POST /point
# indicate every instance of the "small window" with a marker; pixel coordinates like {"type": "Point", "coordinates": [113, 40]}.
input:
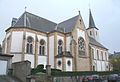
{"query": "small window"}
{"type": "Point", "coordinates": [97, 54]}
{"type": "Point", "coordinates": [59, 63]}
{"type": "Point", "coordinates": [92, 52]}
{"type": "Point", "coordinates": [93, 68]}
{"type": "Point", "coordinates": [69, 63]}
{"type": "Point", "coordinates": [90, 32]}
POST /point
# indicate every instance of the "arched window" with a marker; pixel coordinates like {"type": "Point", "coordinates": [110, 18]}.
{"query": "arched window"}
{"type": "Point", "coordinates": [92, 53]}
{"type": "Point", "coordinates": [60, 43]}
{"type": "Point", "coordinates": [90, 32]}
{"type": "Point", "coordinates": [42, 47]}
{"type": "Point", "coordinates": [29, 48]}
{"type": "Point", "coordinates": [98, 55]}
{"type": "Point", "coordinates": [81, 46]}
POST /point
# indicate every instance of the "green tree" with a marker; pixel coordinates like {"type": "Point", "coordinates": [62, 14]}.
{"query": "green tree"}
{"type": "Point", "coordinates": [115, 61]}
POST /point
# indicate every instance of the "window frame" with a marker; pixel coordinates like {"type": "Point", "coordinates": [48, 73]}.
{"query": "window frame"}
{"type": "Point", "coordinates": [60, 46]}
{"type": "Point", "coordinates": [42, 45]}
{"type": "Point", "coordinates": [29, 45]}
{"type": "Point", "coordinates": [81, 49]}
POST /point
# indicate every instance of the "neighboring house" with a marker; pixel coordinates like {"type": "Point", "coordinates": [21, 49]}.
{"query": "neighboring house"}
{"type": "Point", "coordinates": [114, 60]}
{"type": "Point", "coordinates": [66, 45]}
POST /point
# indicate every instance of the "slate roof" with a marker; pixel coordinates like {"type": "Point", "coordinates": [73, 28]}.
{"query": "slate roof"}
{"type": "Point", "coordinates": [68, 25]}
{"type": "Point", "coordinates": [38, 23]}
{"type": "Point", "coordinates": [96, 43]}
{"type": "Point", "coordinates": [35, 22]}
{"type": "Point", "coordinates": [91, 21]}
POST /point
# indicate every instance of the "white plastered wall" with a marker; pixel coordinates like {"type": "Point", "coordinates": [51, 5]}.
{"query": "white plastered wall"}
{"type": "Point", "coordinates": [59, 67]}
{"type": "Point", "coordinates": [51, 51]}
{"type": "Point", "coordinates": [30, 58]}
{"type": "Point", "coordinates": [16, 43]}
{"type": "Point", "coordinates": [68, 39]}
{"type": "Point", "coordinates": [101, 64]}
{"type": "Point", "coordinates": [42, 60]}
{"type": "Point", "coordinates": [68, 68]}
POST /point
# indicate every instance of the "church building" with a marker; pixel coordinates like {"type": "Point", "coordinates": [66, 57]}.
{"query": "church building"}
{"type": "Point", "coordinates": [68, 45]}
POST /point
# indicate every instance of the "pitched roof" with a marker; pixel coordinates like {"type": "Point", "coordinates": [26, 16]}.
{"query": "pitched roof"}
{"type": "Point", "coordinates": [96, 43]}
{"type": "Point", "coordinates": [32, 21]}
{"type": "Point", "coordinates": [68, 25]}
{"type": "Point", "coordinates": [38, 23]}
{"type": "Point", "coordinates": [91, 21]}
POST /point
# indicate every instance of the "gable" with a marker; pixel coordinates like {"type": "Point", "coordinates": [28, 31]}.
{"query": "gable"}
{"type": "Point", "coordinates": [68, 25]}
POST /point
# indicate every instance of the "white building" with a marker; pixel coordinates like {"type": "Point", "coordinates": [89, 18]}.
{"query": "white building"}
{"type": "Point", "coordinates": [68, 45]}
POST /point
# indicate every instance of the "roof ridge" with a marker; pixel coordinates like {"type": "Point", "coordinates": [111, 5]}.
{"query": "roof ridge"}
{"type": "Point", "coordinates": [91, 21]}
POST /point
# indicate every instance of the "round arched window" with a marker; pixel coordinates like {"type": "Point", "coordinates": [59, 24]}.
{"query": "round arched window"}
{"type": "Point", "coordinates": [42, 42]}
{"type": "Point", "coordinates": [59, 63]}
{"type": "Point", "coordinates": [29, 39]}
{"type": "Point", "coordinates": [68, 62]}
{"type": "Point", "coordinates": [60, 42]}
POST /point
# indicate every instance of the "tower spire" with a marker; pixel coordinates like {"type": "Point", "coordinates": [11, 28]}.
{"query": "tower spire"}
{"type": "Point", "coordinates": [91, 20]}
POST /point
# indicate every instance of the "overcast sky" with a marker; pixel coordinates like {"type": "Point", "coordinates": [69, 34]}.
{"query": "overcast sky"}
{"type": "Point", "coordinates": [106, 14]}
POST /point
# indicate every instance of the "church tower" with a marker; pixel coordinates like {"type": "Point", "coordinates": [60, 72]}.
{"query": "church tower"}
{"type": "Point", "coordinates": [92, 29]}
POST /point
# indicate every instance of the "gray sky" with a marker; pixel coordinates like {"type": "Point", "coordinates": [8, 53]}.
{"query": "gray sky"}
{"type": "Point", "coordinates": [105, 13]}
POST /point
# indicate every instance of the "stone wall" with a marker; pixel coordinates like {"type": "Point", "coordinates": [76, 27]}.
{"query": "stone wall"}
{"type": "Point", "coordinates": [21, 70]}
